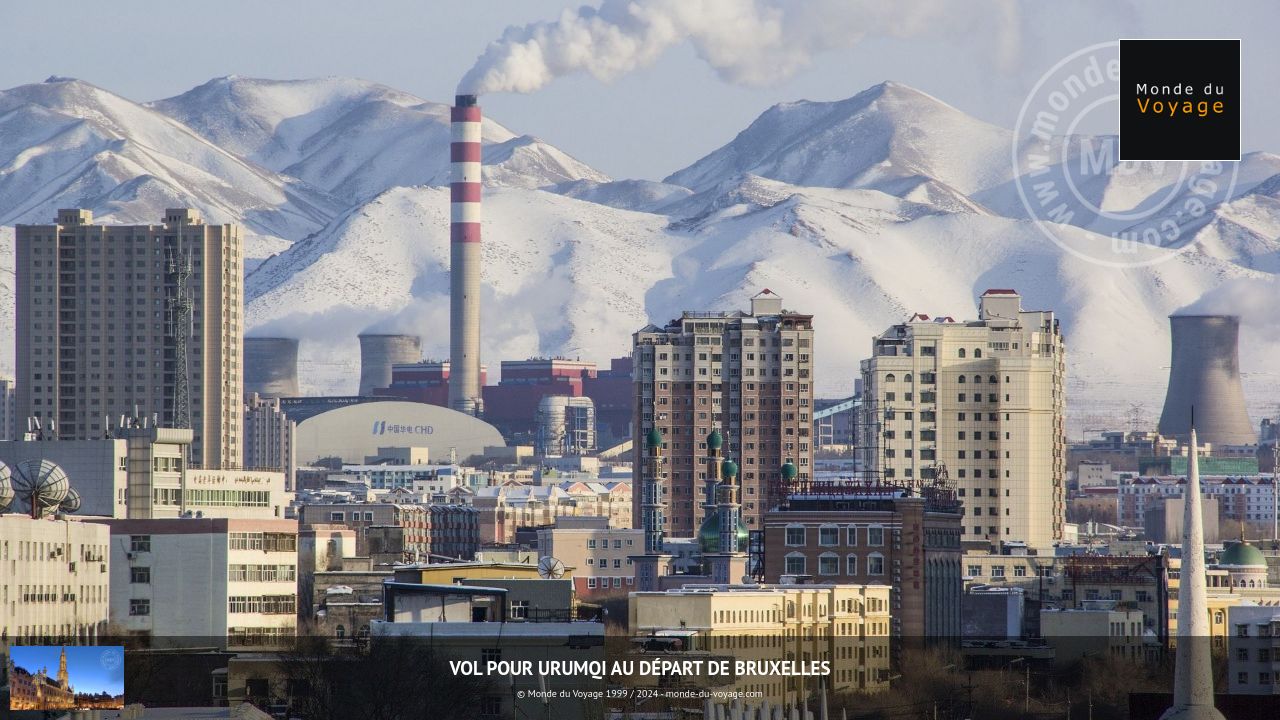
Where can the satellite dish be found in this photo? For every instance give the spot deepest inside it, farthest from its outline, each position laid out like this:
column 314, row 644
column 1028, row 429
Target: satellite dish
column 6, row 488
column 550, row 568
column 70, row 503
column 40, row 486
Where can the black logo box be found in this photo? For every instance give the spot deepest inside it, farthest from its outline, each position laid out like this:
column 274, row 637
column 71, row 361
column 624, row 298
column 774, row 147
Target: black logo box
column 1185, row 65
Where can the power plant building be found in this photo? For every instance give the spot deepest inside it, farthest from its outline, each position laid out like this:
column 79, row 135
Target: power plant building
column 1204, row 381
column 984, row 400
column 379, row 353
column 747, row 374
column 464, row 256
column 97, row 333
column 271, row 366
column 354, row 432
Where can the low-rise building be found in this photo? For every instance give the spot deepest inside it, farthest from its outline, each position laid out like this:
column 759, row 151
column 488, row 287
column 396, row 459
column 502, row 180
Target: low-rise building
column 847, row 626
column 226, row 581
column 54, row 580
column 1253, row 660
column 1098, row 629
column 602, row 558
column 875, row 536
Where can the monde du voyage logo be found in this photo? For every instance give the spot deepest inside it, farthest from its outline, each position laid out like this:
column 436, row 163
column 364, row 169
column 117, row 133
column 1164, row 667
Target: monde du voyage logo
column 1180, row 100
column 382, row 427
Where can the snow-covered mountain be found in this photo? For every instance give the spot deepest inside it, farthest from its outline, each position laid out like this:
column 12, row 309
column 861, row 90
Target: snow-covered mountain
column 66, row 143
column 860, row 211
column 356, row 138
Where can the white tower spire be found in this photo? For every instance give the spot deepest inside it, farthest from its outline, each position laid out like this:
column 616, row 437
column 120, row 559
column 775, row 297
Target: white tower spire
column 1193, row 672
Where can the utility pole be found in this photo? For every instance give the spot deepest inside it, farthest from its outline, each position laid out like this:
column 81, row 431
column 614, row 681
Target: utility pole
column 1026, row 700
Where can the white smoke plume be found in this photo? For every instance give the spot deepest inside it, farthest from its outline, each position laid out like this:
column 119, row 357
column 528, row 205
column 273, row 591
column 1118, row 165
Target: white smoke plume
column 749, row 42
column 1255, row 300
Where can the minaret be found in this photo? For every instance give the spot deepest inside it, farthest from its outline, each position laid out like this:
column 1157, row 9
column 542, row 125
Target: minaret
column 715, row 441
column 653, row 518
column 653, row 564
column 728, row 508
column 1193, row 671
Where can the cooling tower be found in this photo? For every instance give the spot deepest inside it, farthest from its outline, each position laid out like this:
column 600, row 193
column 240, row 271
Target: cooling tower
column 1205, row 375
column 271, row 366
column 379, row 352
column 464, row 257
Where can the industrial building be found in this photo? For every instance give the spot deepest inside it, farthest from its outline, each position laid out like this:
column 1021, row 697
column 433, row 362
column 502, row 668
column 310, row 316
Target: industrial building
column 381, row 352
column 747, row 374
column 982, row 400
column 512, row 404
column 271, row 367
column 353, row 432
column 1204, row 382
column 122, row 319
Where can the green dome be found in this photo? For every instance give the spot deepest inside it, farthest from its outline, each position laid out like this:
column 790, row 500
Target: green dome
column 789, row 470
column 728, row 469
column 715, row 440
column 709, row 535
column 1242, row 554
column 655, row 438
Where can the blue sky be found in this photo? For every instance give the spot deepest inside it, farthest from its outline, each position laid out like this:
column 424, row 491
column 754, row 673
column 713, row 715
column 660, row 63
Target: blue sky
column 645, row 124
column 86, row 668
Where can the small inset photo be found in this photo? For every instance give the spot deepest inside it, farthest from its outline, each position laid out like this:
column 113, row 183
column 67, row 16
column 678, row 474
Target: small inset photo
column 51, row 677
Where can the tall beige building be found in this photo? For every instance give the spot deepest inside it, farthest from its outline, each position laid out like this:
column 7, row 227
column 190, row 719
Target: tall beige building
column 984, row 400
column 8, row 409
column 96, row 319
column 748, row 375
column 268, row 437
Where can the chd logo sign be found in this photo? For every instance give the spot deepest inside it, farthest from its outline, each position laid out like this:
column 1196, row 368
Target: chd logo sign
column 1105, row 198
column 382, row 427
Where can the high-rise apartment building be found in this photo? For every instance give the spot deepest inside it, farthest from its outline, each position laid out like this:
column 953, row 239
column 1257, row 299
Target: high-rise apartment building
column 747, row 374
column 98, row 327
column 983, row 400
column 268, row 437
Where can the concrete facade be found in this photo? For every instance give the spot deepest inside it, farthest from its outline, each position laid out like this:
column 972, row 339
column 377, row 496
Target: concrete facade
column 221, row 580
column 984, row 398
column 54, row 580
column 269, row 437
column 748, row 374
column 94, row 338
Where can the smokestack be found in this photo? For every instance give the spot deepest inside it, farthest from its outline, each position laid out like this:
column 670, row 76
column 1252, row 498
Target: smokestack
column 379, row 352
column 464, row 258
column 271, row 366
column 1205, row 374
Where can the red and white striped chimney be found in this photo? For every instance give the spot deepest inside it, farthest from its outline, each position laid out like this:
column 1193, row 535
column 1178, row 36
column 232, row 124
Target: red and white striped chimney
column 464, row 258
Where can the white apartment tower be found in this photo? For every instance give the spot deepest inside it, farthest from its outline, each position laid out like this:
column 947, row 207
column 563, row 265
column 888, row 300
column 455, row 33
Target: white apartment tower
column 983, row 401
column 748, row 375
column 98, row 315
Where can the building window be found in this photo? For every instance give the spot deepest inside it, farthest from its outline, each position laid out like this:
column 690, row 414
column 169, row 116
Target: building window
column 139, row 543
column 853, row 536
column 875, row 564
column 1019, row 571
column 975, row 571
column 875, row 536
column 139, row 574
column 828, row 535
column 488, row 655
column 794, row 564
column 997, row 571
column 795, row 536
column 519, row 609
column 140, row 606
column 829, row 564
column 591, row 583
column 851, row 564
